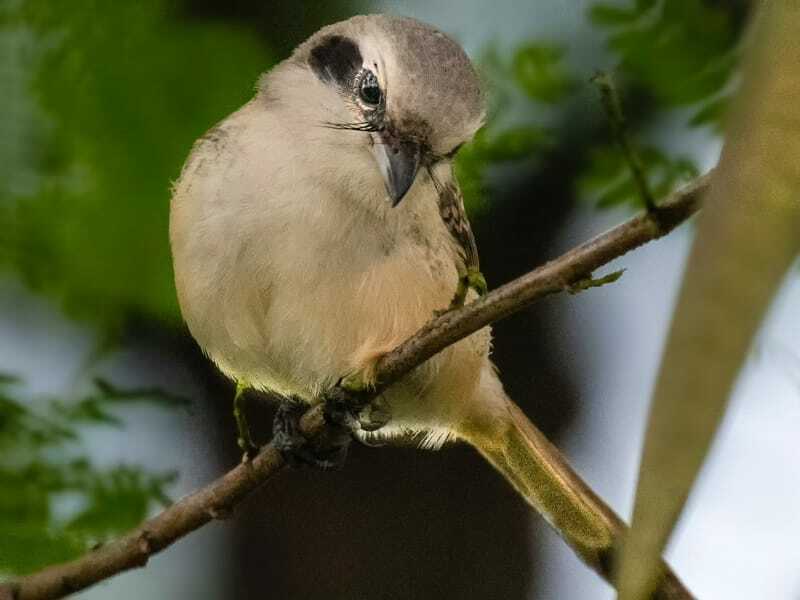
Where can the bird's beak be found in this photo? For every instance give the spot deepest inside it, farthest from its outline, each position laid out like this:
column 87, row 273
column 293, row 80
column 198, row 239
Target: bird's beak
column 398, row 160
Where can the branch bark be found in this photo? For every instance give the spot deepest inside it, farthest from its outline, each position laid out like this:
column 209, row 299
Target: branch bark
column 218, row 499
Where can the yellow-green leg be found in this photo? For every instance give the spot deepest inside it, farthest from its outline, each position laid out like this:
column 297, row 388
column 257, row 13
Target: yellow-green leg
column 471, row 278
column 477, row 281
column 244, row 439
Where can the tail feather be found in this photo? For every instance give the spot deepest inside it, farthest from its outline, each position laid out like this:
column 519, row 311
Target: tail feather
column 505, row 437
column 539, row 473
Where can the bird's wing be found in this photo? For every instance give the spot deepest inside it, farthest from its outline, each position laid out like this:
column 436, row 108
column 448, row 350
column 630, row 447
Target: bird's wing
column 451, row 209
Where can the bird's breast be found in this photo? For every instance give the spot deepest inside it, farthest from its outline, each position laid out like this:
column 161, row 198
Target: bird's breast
column 353, row 299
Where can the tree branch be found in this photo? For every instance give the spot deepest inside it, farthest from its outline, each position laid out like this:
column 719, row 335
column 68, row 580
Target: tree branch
column 218, row 499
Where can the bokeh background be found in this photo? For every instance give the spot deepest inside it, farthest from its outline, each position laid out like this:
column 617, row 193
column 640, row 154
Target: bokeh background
column 108, row 409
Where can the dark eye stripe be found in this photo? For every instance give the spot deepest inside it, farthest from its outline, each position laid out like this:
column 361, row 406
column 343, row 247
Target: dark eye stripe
column 337, row 60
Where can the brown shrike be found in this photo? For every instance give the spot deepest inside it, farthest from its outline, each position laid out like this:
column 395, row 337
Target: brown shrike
column 321, row 225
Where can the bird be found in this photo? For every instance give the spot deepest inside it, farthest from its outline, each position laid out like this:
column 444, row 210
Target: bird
column 321, row 225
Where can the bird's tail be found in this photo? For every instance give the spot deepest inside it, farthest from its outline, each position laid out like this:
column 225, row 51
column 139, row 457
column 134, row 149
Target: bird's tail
column 501, row 432
column 504, row 436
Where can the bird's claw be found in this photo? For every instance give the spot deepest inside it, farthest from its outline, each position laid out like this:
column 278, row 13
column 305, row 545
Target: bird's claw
column 341, row 410
column 248, row 448
column 476, row 281
column 473, row 279
column 374, row 415
column 327, row 451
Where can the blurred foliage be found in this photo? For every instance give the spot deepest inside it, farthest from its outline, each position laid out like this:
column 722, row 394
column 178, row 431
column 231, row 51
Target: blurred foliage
column 684, row 52
column 608, row 181
column 675, row 54
column 122, row 90
column 491, row 147
column 539, row 72
column 669, row 55
column 55, row 503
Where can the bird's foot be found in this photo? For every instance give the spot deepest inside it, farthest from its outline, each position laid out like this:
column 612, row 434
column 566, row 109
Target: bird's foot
column 344, row 412
column 327, row 451
column 374, row 415
column 476, row 281
column 248, row 447
column 344, row 407
column 472, row 279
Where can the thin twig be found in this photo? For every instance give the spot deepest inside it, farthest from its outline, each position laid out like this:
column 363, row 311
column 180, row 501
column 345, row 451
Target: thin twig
column 613, row 108
column 218, row 499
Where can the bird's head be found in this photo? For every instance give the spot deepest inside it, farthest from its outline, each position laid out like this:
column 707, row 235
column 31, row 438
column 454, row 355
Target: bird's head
column 397, row 92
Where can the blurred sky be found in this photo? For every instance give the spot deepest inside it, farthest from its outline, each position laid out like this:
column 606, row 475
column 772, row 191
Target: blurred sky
column 738, row 540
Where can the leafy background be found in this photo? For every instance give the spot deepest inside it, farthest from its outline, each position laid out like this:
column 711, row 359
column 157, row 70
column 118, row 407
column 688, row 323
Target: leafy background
column 101, row 102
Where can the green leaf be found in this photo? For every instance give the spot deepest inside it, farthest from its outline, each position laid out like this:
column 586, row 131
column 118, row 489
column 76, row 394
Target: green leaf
column 622, row 192
column 711, row 113
column 538, row 71
column 24, row 548
column 612, row 15
column 117, row 501
column 490, row 148
column 607, row 180
column 6, row 379
column 514, row 144
column 683, row 53
column 594, row 282
column 111, row 393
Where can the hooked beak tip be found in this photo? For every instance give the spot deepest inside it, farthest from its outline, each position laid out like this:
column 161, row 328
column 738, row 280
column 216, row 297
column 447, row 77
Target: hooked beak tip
column 398, row 161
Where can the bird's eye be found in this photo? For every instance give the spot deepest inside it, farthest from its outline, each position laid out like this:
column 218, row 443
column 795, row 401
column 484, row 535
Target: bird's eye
column 369, row 91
